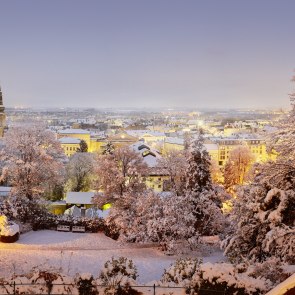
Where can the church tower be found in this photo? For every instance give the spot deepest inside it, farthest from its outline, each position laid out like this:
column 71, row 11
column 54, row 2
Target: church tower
column 2, row 115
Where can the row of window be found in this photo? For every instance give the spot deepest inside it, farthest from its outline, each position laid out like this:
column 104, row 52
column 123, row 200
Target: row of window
column 70, row 148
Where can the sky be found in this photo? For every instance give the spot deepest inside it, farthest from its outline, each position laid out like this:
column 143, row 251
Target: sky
column 147, row 53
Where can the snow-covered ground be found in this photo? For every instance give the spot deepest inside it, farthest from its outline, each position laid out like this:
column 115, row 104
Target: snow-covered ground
column 84, row 253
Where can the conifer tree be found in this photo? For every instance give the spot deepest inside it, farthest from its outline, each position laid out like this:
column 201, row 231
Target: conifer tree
column 109, row 148
column 83, row 147
column 198, row 177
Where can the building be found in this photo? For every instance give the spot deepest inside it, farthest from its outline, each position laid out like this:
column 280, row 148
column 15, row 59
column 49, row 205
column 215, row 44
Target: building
column 257, row 147
column 2, row 115
column 155, row 177
column 70, row 141
column 70, row 145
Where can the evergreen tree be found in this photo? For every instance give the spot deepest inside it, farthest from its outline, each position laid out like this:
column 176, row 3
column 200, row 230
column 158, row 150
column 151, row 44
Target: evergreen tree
column 109, row 148
column 198, row 177
column 83, row 147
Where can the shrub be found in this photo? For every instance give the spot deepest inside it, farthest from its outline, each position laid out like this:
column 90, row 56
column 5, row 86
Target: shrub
column 86, row 284
column 118, row 272
column 207, row 278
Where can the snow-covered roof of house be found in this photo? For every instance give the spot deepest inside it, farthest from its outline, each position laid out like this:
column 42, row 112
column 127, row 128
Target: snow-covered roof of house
column 141, row 133
column 5, row 188
column 83, row 198
column 193, row 122
column 73, row 131
column 69, row 140
column 150, row 156
column 211, row 146
column 175, row 140
column 4, row 191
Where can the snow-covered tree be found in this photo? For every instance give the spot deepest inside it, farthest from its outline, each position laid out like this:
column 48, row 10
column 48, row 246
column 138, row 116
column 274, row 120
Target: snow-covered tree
column 282, row 171
column 181, row 219
column 198, row 177
column 80, row 172
column 120, row 172
column 264, row 212
column 200, row 193
column 174, row 164
column 33, row 159
column 263, row 225
column 238, row 164
column 216, row 173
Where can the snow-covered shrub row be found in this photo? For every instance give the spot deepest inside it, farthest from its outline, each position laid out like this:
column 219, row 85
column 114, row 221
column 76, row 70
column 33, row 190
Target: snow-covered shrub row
column 225, row 278
column 115, row 278
column 23, row 209
column 50, row 221
column 40, row 218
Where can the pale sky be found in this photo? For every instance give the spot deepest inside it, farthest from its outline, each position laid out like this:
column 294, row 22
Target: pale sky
column 149, row 53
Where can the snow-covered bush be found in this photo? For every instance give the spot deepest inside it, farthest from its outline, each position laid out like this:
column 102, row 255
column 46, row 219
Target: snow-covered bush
column 181, row 272
column 210, row 278
column 111, row 229
column 224, row 277
column 9, row 231
column 272, row 270
column 118, row 271
column 86, row 284
column 50, row 221
column 23, row 209
column 49, row 281
column 5, row 287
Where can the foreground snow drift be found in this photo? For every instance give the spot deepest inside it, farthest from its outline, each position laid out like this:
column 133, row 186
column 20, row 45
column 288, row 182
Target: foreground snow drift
column 83, row 253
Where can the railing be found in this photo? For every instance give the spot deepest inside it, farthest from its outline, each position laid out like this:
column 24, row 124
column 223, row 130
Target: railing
column 72, row 289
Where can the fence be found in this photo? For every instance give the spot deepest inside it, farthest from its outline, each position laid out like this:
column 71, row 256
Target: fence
column 72, row 289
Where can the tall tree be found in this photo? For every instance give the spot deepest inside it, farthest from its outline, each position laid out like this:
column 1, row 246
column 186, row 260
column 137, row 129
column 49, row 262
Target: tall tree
column 80, row 172
column 238, row 164
column 174, row 164
column 183, row 218
column 120, row 172
column 33, row 160
column 264, row 212
column 198, row 177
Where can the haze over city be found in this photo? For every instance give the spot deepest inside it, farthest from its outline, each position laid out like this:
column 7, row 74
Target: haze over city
column 221, row 54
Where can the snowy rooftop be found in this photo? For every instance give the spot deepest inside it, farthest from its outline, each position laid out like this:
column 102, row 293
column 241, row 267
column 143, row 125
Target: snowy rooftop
column 174, row 140
column 150, row 156
column 69, row 140
column 211, row 146
column 73, row 131
column 140, row 133
column 4, row 191
column 83, row 198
